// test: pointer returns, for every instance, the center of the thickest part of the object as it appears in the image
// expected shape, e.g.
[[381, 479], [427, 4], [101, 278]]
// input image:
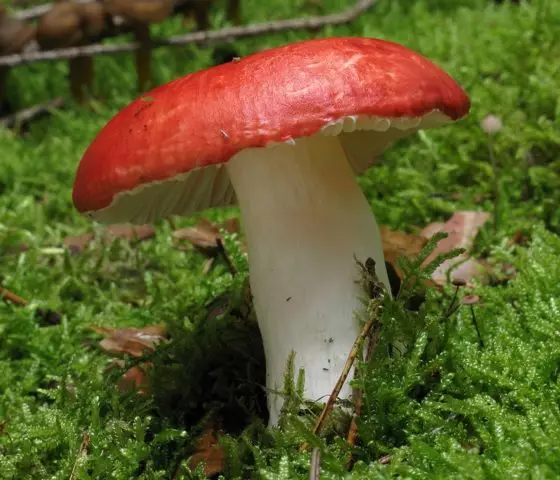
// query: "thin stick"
[[28, 114], [352, 437], [198, 38], [344, 375], [12, 297], [376, 292], [225, 256], [82, 453]]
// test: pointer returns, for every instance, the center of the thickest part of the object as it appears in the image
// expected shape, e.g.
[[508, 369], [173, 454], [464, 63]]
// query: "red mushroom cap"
[[204, 119]]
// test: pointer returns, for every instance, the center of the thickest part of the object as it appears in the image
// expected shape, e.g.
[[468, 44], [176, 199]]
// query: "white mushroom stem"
[[305, 219]]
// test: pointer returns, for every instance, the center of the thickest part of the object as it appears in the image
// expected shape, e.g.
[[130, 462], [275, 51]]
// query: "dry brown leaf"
[[131, 341], [209, 451], [135, 378], [205, 235], [82, 455], [78, 243], [462, 229], [134, 342], [520, 237], [399, 244]]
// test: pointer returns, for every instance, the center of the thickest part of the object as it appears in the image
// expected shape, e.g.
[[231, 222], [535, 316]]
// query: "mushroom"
[[282, 133], [14, 36], [60, 26], [140, 13], [69, 24]]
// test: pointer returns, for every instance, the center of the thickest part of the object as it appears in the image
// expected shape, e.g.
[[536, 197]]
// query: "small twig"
[[372, 342], [82, 453], [198, 38], [28, 114], [345, 371], [366, 329], [352, 437], [376, 292], [315, 467], [11, 297]]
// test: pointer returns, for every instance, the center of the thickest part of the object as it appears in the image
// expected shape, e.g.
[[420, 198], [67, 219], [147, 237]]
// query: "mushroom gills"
[[305, 219]]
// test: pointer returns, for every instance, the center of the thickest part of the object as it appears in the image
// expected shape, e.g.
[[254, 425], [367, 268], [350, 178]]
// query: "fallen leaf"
[[134, 342], [399, 244], [82, 455], [462, 229], [129, 232], [209, 451], [205, 235], [23, 117], [78, 243], [131, 341], [520, 237], [207, 239], [135, 378]]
